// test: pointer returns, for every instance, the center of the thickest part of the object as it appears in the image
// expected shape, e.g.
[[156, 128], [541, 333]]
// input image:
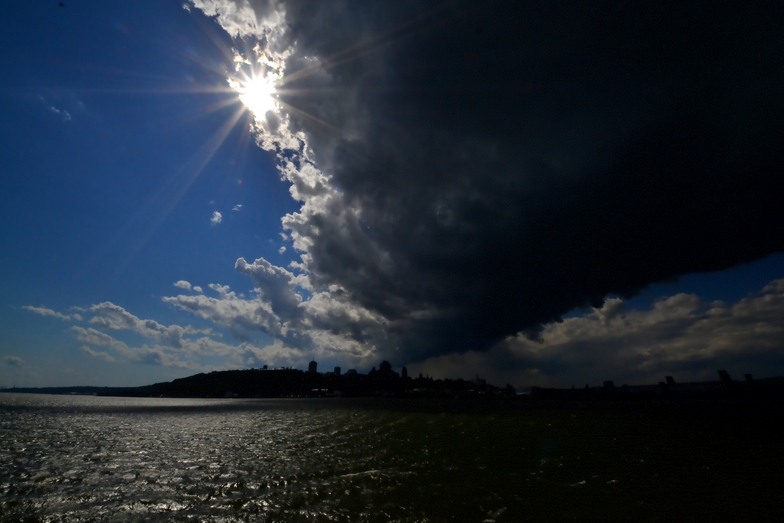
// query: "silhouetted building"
[[404, 373], [724, 379], [351, 372], [385, 372], [664, 389], [748, 378], [337, 371], [670, 381], [312, 367], [609, 386]]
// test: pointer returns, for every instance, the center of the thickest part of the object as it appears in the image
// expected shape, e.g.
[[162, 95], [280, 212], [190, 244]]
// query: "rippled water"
[[81, 458]]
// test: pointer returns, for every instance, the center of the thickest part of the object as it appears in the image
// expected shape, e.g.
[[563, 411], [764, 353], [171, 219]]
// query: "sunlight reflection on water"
[[66, 458]]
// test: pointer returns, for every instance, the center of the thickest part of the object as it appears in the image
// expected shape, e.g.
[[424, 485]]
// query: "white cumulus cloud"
[[101, 355], [178, 346], [322, 323], [244, 17], [43, 311], [681, 336], [216, 218], [62, 112], [14, 361], [107, 315]]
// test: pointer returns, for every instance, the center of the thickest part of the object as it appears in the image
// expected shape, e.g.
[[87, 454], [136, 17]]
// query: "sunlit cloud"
[[680, 335], [182, 284], [62, 112], [107, 315], [168, 346], [150, 355], [43, 311], [243, 18], [223, 290], [216, 218], [324, 323], [105, 356], [13, 361], [237, 207]]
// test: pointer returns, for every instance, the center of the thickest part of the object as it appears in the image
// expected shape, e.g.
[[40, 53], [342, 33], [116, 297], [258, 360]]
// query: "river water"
[[83, 458]]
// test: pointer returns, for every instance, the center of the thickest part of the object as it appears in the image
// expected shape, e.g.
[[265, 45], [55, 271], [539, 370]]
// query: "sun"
[[257, 94]]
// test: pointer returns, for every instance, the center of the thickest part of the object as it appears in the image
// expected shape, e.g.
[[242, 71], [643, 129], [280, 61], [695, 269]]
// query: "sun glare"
[[257, 95]]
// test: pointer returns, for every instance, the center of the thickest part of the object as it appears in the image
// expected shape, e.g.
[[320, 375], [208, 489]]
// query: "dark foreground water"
[[80, 458]]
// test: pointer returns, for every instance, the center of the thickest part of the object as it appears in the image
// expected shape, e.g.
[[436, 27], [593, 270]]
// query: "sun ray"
[[385, 38], [201, 112], [292, 109], [243, 144], [209, 30], [177, 184]]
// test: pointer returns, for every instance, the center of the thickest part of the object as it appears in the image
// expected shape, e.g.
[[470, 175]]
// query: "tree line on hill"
[[286, 382]]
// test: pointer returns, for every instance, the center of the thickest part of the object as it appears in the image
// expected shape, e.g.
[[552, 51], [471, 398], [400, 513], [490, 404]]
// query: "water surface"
[[84, 458]]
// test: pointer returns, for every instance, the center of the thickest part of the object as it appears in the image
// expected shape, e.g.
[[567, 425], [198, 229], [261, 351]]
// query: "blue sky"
[[106, 117], [119, 156]]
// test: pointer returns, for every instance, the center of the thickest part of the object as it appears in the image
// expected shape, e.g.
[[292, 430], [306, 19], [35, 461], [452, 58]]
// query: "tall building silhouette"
[[385, 371], [312, 366]]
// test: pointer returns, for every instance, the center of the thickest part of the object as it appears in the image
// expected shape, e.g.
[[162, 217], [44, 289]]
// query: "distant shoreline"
[[292, 383]]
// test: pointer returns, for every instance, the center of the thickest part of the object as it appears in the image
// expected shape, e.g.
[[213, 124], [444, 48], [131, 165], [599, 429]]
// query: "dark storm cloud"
[[505, 162]]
